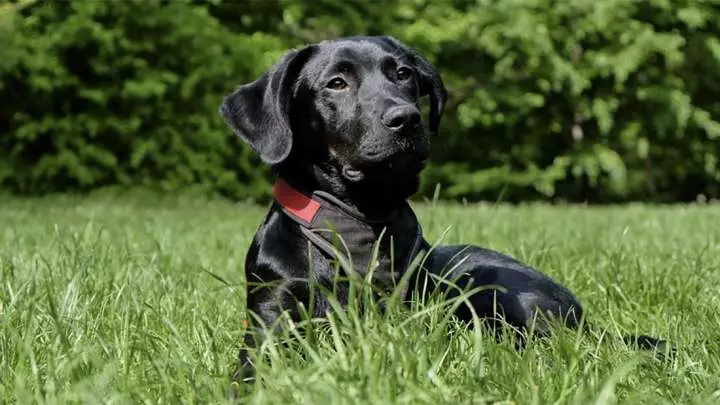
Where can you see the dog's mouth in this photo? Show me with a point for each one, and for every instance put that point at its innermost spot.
(397, 163)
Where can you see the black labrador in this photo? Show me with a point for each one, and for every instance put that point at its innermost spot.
(340, 123)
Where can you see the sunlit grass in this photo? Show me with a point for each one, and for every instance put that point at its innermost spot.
(140, 299)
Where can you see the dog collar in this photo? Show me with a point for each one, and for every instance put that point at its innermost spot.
(346, 236)
(294, 202)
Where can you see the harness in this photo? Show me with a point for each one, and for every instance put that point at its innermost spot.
(350, 239)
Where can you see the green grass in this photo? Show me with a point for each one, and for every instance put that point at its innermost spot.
(140, 300)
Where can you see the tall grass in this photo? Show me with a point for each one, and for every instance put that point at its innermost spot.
(140, 300)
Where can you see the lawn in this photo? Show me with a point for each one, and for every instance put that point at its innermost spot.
(139, 299)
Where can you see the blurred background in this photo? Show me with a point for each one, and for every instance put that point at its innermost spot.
(600, 101)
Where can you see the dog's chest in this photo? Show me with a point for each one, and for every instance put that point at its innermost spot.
(386, 249)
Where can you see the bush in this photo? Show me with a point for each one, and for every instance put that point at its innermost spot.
(108, 93)
(603, 100)
(590, 100)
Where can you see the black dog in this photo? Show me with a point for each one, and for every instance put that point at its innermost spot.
(340, 122)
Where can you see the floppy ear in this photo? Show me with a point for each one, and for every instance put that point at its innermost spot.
(258, 112)
(430, 83)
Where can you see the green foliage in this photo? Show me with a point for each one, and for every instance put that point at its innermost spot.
(103, 94)
(599, 100)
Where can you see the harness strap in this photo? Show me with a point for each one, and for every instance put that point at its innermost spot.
(322, 216)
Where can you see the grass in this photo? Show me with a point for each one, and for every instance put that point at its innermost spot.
(139, 300)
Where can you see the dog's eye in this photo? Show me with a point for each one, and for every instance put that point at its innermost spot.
(337, 84)
(403, 73)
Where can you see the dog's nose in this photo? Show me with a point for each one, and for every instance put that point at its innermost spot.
(400, 117)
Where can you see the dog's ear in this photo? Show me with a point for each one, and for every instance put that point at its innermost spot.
(430, 83)
(259, 111)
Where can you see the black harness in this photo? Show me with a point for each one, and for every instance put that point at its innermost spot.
(386, 247)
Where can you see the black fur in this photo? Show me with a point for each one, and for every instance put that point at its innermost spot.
(343, 117)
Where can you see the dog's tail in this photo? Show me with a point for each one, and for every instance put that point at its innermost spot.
(645, 342)
(661, 347)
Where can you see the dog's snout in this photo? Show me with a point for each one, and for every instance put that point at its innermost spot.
(401, 117)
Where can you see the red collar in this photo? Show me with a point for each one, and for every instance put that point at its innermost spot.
(295, 202)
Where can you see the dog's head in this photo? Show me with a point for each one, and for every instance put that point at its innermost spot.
(346, 110)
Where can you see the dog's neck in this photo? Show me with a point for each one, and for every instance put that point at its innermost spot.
(388, 246)
(372, 201)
